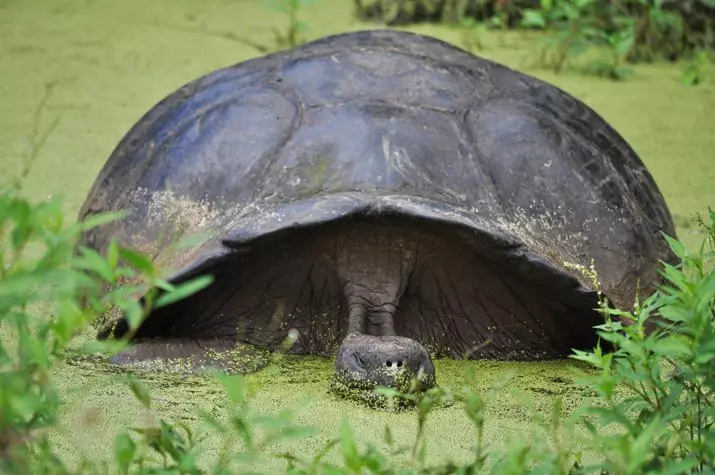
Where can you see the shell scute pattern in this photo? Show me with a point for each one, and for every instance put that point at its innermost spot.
(391, 120)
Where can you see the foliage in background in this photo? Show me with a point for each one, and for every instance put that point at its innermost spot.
(694, 70)
(623, 31)
(575, 27)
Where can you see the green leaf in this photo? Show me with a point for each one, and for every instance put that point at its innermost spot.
(388, 392)
(624, 44)
(348, 447)
(614, 415)
(474, 408)
(533, 18)
(140, 390)
(324, 451)
(679, 467)
(234, 386)
(93, 261)
(34, 350)
(194, 240)
(675, 276)
(330, 469)
(20, 237)
(138, 260)
(690, 77)
(673, 346)
(96, 220)
(133, 312)
(164, 285)
(184, 290)
(23, 286)
(113, 254)
(124, 450)
(291, 433)
(212, 421)
(21, 406)
(389, 440)
(69, 319)
(676, 246)
(642, 444)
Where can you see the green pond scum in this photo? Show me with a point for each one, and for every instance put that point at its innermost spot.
(111, 61)
(98, 404)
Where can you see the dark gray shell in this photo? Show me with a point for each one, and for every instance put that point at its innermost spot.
(379, 121)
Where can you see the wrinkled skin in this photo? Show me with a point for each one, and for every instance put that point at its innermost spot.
(366, 361)
(383, 184)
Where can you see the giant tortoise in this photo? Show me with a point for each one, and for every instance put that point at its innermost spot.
(386, 198)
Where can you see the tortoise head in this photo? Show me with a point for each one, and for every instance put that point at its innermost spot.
(367, 362)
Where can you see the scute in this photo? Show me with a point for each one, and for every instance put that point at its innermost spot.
(418, 152)
(233, 138)
(377, 76)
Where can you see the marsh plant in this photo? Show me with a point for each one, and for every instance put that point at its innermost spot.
(571, 30)
(694, 70)
(292, 34)
(617, 33)
(666, 376)
(471, 35)
(613, 62)
(396, 12)
(400, 12)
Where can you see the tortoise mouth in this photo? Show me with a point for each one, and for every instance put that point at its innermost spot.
(386, 282)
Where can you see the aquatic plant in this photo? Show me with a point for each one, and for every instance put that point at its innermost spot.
(292, 35)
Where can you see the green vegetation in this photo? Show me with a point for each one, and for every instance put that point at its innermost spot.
(622, 31)
(59, 396)
(293, 35)
(289, 36)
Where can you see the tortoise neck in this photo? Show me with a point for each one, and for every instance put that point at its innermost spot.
(374, 262)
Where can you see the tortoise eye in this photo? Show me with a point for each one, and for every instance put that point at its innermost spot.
(359, 360)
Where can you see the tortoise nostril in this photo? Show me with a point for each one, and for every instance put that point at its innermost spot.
(389, 363)
(399, 364)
